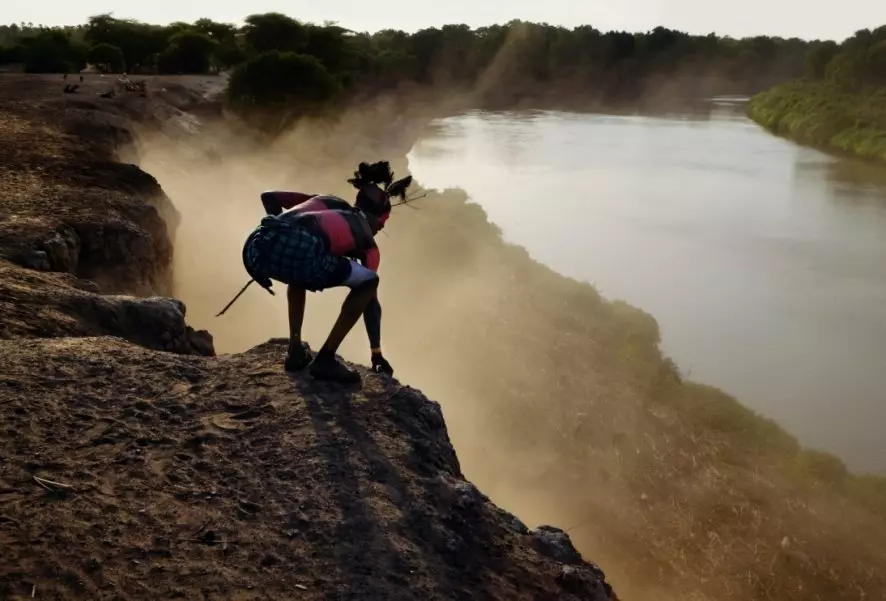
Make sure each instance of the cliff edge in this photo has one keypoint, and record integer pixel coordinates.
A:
(134, 464)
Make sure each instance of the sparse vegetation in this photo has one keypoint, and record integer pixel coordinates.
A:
(839, 105)
(501, 63)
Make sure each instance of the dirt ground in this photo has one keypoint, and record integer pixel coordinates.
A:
(132, 474)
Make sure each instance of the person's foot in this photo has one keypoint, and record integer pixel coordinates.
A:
(298, 358)
(327, 367)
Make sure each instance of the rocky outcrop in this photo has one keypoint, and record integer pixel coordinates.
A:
(92, 224)
(143, 475)
(47, 305)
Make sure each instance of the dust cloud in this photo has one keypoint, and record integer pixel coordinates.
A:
(559, 403)
(439, 292)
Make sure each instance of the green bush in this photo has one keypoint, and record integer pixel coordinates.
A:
(188, 52)
(825, 115)
(282, 80)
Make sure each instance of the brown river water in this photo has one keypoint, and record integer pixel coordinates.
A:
(763, 262)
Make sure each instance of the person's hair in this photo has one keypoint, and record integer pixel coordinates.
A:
(377, 176)
(375, 173)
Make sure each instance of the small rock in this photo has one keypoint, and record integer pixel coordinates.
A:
(35, 259)
(555, 544)
(513, 522)
(201, 342)
(87, 286)
(467, 495)
(63, 250)
(580, 581)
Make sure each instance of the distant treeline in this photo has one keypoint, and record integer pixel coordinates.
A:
(499, 64)
(839, 103)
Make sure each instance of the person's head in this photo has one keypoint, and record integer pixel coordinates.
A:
(375, 204)
(372, 199)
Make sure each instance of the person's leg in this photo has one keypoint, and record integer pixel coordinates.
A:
(298, 356)
(364, 284)
(351, 310)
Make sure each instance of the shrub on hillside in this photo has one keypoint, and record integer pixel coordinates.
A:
(285, 80)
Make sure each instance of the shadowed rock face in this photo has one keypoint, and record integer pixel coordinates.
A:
(67, 203)
(92, 224)
(172, 476)
(46, 305)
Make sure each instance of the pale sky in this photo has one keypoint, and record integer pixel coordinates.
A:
(788, 18)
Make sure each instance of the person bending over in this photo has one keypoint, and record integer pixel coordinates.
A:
(314, 242)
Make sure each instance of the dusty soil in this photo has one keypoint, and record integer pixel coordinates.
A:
(131, 472)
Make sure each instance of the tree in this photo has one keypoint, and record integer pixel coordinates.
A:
(818, 57)
(137, 41)
(329, 44)
(875, 67)
(50, 51)
(282, 79)
(12, 55)
(106, 57)
(273, 31)
(846, 70)
(188, 52)
(215, 30)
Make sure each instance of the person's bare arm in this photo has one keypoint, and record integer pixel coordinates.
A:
(372, 319)
(277, 201)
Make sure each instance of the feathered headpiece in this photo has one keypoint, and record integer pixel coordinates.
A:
(372, 179)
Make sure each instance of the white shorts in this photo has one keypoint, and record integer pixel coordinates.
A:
(359, 275)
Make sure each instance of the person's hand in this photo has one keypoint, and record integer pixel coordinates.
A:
(380, 365)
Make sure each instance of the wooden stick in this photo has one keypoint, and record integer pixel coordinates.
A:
(44, 482)
(234, 300)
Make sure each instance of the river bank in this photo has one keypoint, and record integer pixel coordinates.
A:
(824, 116)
